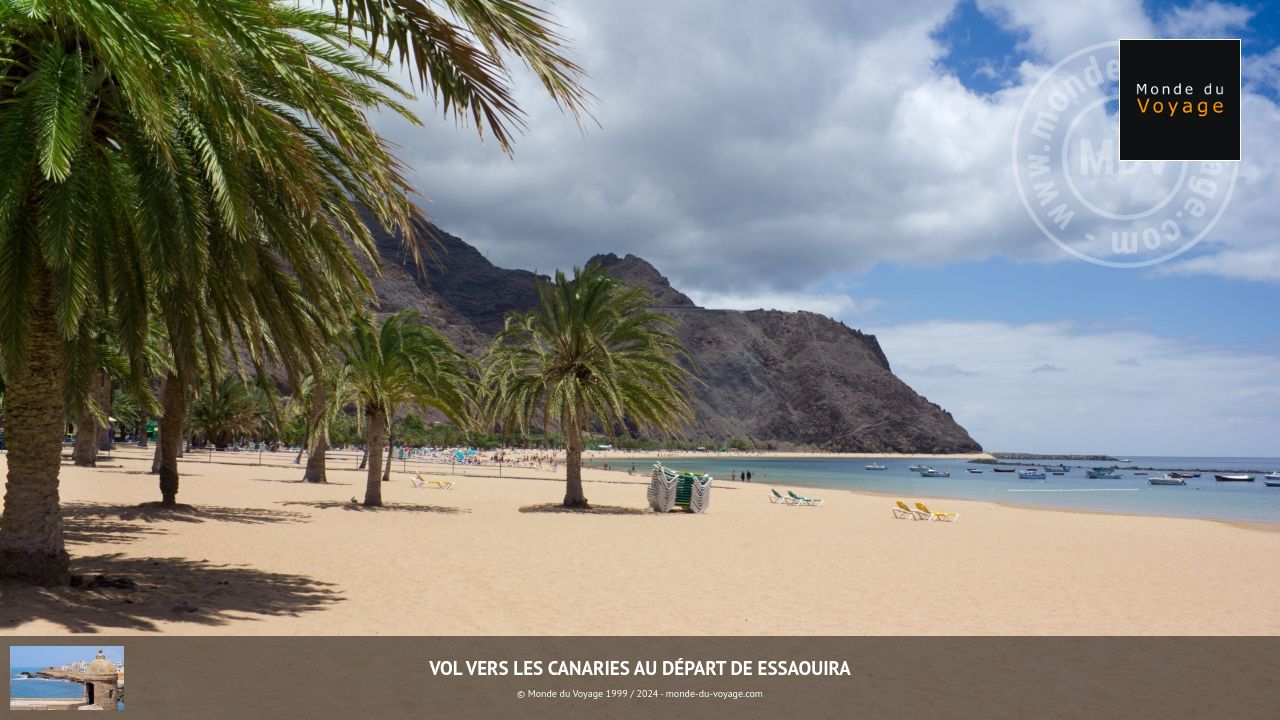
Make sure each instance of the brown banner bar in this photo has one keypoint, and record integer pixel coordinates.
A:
(597, 677)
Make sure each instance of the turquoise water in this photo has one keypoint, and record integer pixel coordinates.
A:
(41, 688)
(1201, 497)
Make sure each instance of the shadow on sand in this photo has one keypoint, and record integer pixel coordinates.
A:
(181, 590)
(155, 512)
(389, 507)
(593, 510)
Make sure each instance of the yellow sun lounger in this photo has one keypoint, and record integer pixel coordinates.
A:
(904, 511)
(423, 482)
(928, 514)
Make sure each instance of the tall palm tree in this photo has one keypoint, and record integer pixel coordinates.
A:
(399, 363)
(591, 353)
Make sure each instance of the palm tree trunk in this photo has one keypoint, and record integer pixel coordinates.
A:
(31, 543)
(319, 440)
(173, 400)
(573, 495)
(142, 430)
(155, 457)
(374, 441)
(104, 438)
(391, 444)
(86, 450)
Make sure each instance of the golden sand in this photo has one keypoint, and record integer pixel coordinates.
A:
(259, 553)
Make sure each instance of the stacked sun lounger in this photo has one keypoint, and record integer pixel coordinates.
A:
(669, 490)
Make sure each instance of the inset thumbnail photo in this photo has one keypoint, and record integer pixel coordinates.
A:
(66, 677)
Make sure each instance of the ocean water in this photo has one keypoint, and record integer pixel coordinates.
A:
(1201, 497)
(22, 688)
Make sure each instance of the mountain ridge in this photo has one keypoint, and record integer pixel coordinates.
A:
(777, 379)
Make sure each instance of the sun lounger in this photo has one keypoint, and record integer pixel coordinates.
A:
(904, 511)
(930, 515)
(777, 497)
(418, 482)
(423, 482)
(802, 500)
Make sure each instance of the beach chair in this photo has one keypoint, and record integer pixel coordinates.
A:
(423, 482)
(777, 497)
(802, 500)
(904, 511)
(418, 482)
(927, 514)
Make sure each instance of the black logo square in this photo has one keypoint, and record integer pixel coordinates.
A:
(1179, 99)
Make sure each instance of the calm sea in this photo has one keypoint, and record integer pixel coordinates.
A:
(23, 688)
(1201, 497)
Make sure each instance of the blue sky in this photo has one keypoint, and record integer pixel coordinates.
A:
(853, 159)
(23, 656)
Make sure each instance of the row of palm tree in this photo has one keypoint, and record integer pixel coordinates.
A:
(188, 190)
(201, 168)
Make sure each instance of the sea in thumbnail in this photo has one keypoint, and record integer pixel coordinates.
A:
(1201, 497)
(41, 687)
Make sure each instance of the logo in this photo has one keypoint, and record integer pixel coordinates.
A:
(1110, 212)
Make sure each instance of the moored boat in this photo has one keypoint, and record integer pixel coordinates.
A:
(930, 472)
(1184, 475)
(1272, 476)
(1165, 480)
(1002, 469)
(875, 466)
(1031, 474)
(1233, 478)
(1102, 473)
(975, 471)
(915, 468)
(1057, 468)
(1272, 483)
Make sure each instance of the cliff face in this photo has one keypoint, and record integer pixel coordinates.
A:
(785, 379)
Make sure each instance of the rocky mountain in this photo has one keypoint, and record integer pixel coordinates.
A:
(777, 379)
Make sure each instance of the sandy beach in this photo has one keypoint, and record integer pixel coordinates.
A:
(259, 553)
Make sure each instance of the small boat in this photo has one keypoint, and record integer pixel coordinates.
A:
(1057, 469)
(1140, 473)
(1272, 476)
(1059, 473)
(975, 471)
(1271, 483)
(1031, 474)
(930, 472)
(1165, 480)
(1002, 469)
(915, 468)
(1184, 475)
(1101, 473)
(1233, 478)
(875, 466)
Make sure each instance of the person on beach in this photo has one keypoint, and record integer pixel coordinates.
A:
(748, 476)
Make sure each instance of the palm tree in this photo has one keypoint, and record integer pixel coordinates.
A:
(202, 166)
(320, 399)
(592, 353)
(227, 412)
(402, 362)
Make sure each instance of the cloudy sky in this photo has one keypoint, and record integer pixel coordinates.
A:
(854, 159)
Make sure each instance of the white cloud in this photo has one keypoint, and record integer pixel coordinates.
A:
(1206, 20)
(780, 144)
(838, 305)
(1113, 391)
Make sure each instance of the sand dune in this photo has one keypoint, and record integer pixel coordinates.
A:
(259, 553)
